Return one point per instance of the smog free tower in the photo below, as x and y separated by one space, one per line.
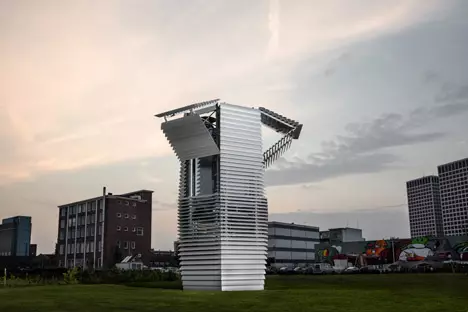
223 212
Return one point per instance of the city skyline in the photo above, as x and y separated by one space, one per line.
382 92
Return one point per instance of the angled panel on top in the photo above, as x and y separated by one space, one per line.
189 137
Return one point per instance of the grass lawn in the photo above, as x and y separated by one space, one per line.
379 293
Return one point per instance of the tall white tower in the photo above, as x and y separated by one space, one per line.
223 212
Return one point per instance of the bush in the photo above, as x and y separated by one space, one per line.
118 276
71 276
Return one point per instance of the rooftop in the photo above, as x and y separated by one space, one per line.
292 225
344 228
109 195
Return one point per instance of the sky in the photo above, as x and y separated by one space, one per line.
380 86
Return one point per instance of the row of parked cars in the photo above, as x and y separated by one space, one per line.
324 269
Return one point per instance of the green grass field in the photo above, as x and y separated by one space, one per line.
398 292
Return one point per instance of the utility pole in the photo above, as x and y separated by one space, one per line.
393 248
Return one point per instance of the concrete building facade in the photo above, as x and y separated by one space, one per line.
341 235
424 205
454 196
291 244
98 232
15 236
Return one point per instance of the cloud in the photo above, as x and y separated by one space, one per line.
361 149
163 206
337 62
82 91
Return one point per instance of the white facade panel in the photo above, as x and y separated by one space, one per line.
272 243
310 234
298 255
283 255
311 245
282 243
298 244
297 233
282 232
310 256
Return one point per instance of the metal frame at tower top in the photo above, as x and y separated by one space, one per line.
291 129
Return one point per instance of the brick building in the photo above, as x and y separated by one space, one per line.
100 231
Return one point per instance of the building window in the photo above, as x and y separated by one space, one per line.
134 217
119 215
133 245
62 224
126 229
140 231
118 228
126 216
126 203
134 229
63 212
61 249
125 245
118 244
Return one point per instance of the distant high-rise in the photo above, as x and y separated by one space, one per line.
425 213
15 236
454 196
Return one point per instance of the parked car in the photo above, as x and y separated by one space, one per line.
369 270
323 268
423 268
286 270
351 270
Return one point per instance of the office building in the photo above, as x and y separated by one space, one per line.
424 205
341 235
15 236
99 232
453 179
223 214
291 244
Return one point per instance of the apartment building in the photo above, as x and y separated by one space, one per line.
424 205
453 178
100 231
